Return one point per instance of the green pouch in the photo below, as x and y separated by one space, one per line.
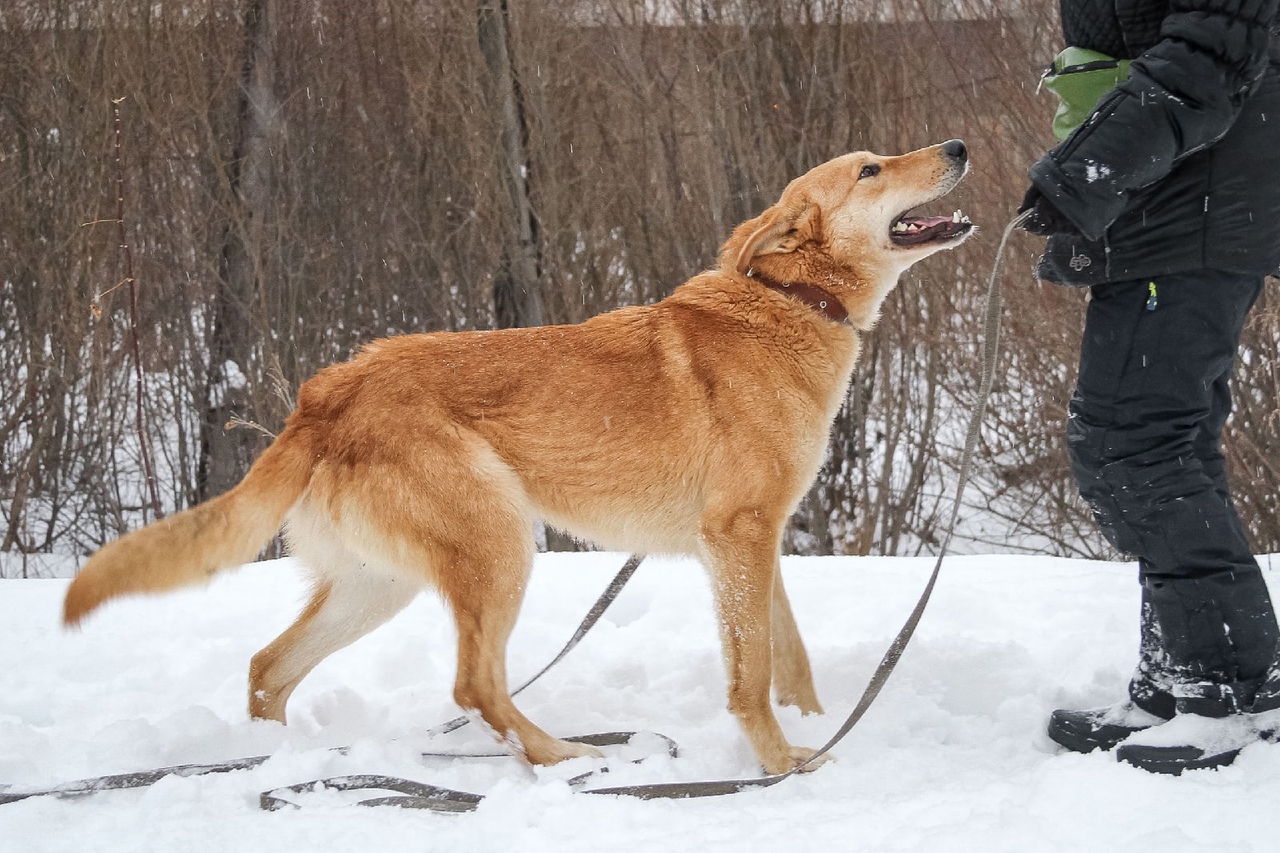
1080 78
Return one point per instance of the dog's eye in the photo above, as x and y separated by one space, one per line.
869 171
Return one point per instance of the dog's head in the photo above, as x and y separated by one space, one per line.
849 220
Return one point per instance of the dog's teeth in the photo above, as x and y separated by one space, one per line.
899 226
955 217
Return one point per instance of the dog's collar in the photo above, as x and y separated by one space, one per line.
822 301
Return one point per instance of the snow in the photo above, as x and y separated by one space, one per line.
952 757
1095 171
1212 735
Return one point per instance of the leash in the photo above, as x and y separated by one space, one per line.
418 795
436 798
145 778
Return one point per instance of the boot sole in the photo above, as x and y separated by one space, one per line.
1172 760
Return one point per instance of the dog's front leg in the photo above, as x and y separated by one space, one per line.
743 552
792 676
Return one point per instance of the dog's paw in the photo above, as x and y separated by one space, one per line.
580 750
555 751
793 758
801 754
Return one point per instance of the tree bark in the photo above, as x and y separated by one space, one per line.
225 454
517 293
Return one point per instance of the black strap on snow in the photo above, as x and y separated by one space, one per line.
417 795
436 798
146 778
140 779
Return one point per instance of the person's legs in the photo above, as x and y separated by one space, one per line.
1143 437
1147 414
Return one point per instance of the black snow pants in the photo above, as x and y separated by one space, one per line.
1144 433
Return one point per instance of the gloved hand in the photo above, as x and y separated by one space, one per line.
1045 219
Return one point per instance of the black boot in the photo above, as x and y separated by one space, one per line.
1099 728
1150 701
1220 636
1267 698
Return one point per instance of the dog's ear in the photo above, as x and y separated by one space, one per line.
782 229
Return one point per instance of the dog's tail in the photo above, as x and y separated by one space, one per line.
192 546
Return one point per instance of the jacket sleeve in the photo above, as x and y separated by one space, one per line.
1180 96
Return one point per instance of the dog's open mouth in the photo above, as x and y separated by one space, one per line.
918 230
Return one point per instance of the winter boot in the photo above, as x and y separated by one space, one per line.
1099 728
1268 696
1220 636
1150 703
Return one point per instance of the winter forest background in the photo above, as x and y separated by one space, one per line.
300 177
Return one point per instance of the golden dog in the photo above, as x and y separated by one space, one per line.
692 426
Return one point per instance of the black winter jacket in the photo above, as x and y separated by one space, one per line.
1178 168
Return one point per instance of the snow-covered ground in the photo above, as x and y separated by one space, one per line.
952 757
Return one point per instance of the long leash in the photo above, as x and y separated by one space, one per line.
417 795
146 778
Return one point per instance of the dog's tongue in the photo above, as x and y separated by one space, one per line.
920 229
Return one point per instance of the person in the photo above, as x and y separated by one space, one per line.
1165 202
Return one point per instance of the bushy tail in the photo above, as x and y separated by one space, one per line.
192 546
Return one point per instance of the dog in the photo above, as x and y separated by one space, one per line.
692 426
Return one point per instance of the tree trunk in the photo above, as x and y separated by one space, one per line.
517 291
517 295
225 454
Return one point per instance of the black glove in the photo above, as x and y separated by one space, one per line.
1045 219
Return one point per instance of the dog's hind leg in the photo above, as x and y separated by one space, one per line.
343 608
792 676
485 586
469 522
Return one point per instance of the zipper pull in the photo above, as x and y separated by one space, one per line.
1048 72
1152 300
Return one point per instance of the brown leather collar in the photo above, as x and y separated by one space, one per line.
815 297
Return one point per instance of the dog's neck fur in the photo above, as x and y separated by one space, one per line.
821 300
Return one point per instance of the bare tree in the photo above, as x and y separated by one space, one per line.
517 292
225 454
308 175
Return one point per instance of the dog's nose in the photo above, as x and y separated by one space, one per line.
956 150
